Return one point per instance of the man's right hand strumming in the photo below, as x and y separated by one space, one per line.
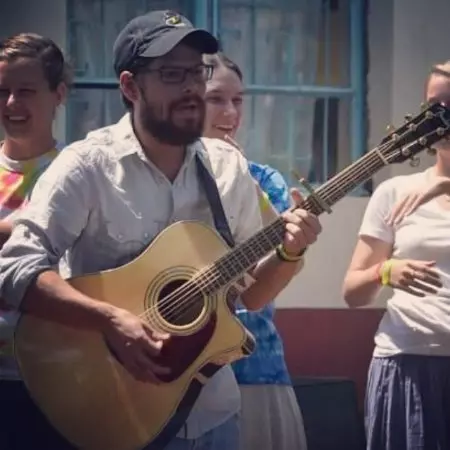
136 345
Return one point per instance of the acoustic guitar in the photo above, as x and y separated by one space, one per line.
179 284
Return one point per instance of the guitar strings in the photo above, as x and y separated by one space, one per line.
205 275
183 295
209 274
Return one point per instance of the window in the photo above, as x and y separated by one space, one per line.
303 62
93 26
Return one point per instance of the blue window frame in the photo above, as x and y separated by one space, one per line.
304 63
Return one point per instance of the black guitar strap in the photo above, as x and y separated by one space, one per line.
215 203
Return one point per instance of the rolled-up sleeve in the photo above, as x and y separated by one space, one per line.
54 218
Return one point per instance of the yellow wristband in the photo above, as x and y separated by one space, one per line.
385 272
281 253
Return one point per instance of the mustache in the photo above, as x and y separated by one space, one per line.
189 100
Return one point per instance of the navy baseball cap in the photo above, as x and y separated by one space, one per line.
156 34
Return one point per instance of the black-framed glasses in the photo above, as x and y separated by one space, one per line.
177 75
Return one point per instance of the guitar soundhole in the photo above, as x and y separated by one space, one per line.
182 307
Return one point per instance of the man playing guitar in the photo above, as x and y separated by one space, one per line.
105 198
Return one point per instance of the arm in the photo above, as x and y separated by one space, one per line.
271 274
374 246
52 298
52 221
55 217
362 281
270 265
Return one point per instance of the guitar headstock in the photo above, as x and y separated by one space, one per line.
417 134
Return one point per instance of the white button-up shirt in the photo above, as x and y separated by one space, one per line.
102 202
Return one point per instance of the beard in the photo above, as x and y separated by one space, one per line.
167 131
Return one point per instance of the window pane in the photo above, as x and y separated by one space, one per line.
90 109
307 134
95 24
288 42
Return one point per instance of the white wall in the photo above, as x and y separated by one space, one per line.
318 285
406 37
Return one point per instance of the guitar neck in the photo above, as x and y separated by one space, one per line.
346 181
244 256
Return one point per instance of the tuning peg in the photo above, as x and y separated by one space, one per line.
414 161
408 117
390 128
423 106
431 151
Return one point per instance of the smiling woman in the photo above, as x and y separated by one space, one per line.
224 98
403 244
33 83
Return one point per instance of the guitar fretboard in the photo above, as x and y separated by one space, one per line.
244 256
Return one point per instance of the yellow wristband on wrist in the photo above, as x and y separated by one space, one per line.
281 253
385 272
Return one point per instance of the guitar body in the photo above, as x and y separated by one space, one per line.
87 394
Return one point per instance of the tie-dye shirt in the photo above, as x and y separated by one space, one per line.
266 365
17 179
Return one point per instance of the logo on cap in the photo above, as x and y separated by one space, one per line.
173 19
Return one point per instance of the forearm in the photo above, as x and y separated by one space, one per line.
362 286
272 275
5 231
50 297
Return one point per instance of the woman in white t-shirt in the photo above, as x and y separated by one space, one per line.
404 243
